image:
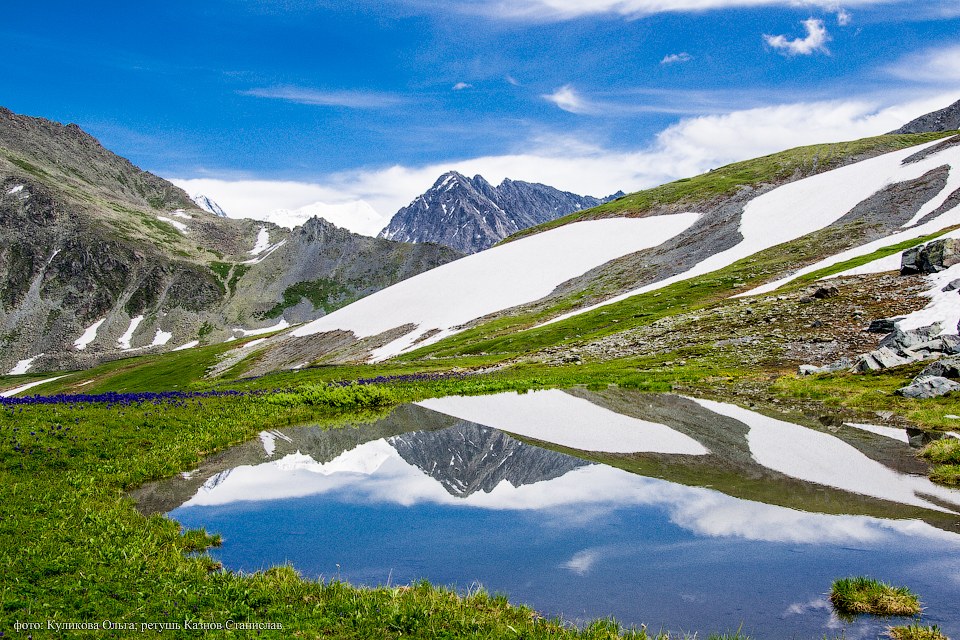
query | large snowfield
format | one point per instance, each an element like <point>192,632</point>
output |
<point>496,279</point>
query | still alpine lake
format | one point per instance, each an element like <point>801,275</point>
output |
<point>682,514</point>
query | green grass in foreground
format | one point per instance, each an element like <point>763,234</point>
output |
<point>917,632</point>
<point>852,596</point>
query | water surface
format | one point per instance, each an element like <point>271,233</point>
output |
<point>682,514</point>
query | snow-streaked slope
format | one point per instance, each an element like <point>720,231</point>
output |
<point>357,216</point>
<point>890,263</point>
<point>499,278</point>
<point>944,306</point>
<point>557,417</point>
<point>802,207</point>
<point>30,385</point>
<point>179,226</point>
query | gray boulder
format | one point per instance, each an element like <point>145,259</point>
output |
<point>953,285</point>
<point>943,368</point>
<point>932,257</point>
<point>882,358</point>
<point>910,261</point>
<point>884,325</point>
<point>810,370</point>
<point>930,387</point>
<point>912,338</point>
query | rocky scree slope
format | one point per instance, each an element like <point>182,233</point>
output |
<point>101,259</point>
<point>470,214</point>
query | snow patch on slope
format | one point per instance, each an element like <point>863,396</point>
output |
<point>802,207</point>
<point>262,243</point>
<point>89,335</point>
<point>124,340</point>
<point>161,338</point>
<point>496,279</point>
<point>23,366</point>
<point>31,385</point>
<point>889,263</point>
<point>283,324</point>
<point>263,253</point>
<point>944,306</point>
<point>179,226</point>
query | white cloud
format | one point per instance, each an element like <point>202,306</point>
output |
<point>582,561</point>
<point>690,147</point>
<point>349,99</point>
<point>512,80</point>
<point>843,17</point>
<point>676,57</point>
<point>816,40</point>
<point>569,9</point>
<point>460,86</point>
<point>567,98</point>
<point>936,65</point>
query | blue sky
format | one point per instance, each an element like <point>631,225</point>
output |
<point>284,103</point>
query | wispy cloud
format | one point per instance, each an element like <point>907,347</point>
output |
<point>347,99</point>
<point>815,41</point>
<point>674,58</point>
<point>936,65</point>
<point>568,99</point>
<point>689,147</point>
<point>460,86</point>
<point>569,9</point>
<point>844,17</point>
<point>512,80</point>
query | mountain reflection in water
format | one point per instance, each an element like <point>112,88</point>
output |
<point>686,513</point>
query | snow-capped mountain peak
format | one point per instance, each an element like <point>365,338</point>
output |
<point>207,204</point>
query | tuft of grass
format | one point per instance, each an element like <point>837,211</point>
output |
<point>861,594</point>
<point>917,632</point>
<point>351,396</point>
<point>943,451</point>
<point>945,454</point>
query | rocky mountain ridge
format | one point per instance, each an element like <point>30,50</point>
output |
<point>470,214</point>
<point>103,260</point>
<point>946,119</point>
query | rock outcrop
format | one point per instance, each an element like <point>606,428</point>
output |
<point>946,119</point>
